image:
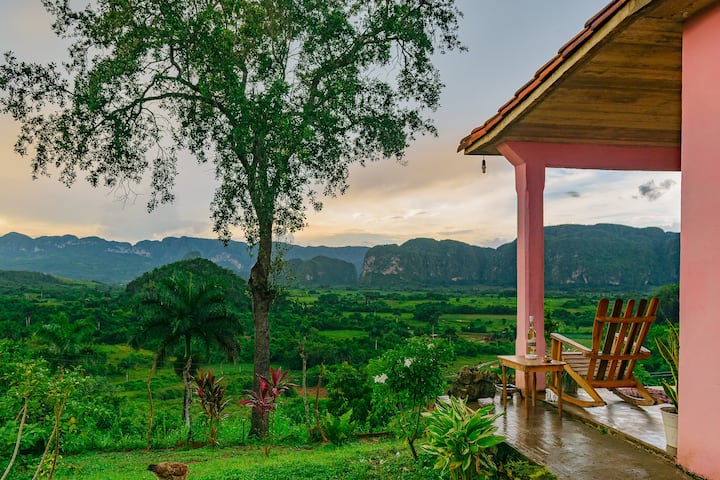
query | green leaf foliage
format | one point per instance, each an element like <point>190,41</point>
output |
<point>338,429</point>
<point>669,348</point>
<point>281,96</point>
<point>191,299</point>
<point>406,380</point>
<point>460,439</point>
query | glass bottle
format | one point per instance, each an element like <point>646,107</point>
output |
<point>531,353</point>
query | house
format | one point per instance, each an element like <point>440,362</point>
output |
<point>636,89</point>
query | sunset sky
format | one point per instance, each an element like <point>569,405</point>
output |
<point>438,193</point>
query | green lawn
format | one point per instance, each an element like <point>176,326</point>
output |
<point>358,460</point>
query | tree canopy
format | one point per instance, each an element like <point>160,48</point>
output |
<point>282,96</point>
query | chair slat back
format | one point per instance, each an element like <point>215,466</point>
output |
<point>618,337</point>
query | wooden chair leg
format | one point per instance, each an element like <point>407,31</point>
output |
<point>645,401</point>
<point>582,383</point>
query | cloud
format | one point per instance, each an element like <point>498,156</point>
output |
<point>653,191</point>
<point>438,193</point>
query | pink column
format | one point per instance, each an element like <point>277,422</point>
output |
<point>529,183</point>
<point>699,421</point>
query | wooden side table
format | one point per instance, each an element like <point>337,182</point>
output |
<point>530,368</point>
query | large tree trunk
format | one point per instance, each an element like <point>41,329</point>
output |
<point>262,296</point>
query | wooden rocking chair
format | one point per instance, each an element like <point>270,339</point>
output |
<point>617,339</point>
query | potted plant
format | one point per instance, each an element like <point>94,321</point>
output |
<point>669,348</point>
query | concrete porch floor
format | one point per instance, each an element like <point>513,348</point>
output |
<point>610,442</point>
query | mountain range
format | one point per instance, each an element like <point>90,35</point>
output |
<point>576,256</point>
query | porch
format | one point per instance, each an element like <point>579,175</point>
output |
<point>633,90</point>
<point>615,441</point>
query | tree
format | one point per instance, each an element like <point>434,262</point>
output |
<point>66,342</point>
<point>180,308</point>
<point>669,309</point>
<point>281,95</point>
<point>429,312</point>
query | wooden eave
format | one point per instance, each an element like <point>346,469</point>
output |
<point>617,82</point>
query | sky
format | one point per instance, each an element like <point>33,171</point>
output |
<point>436,192</point>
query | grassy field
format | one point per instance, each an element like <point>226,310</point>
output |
<point>358,460</point>
<point>343,334</point>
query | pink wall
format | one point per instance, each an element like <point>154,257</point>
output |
<point>699,420</point>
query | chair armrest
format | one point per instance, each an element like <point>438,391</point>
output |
<point>556,337</point>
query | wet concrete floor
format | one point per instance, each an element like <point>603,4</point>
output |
<point>617,441</point>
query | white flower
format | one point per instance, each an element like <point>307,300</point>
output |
<point>381,378</point>
<point>408,362</point>
<point>431,346</point>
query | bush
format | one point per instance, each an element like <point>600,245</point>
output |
<point>338,429</point>
<point>460,439</point>
<point>348,389</point>
<point>407,380</point>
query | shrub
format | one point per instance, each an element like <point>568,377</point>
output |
<point>348,389</point>
<point>211,393</point>
<point>407,380</point>
<point>459,439</point>
<point>338,428</point>
<point>264,400</point>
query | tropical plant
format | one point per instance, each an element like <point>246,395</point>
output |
<point>338,428</point>
<point>58,392</point>
<point>23,382</point>
<point>264,400</point>
<point>211,393</point>
<point>669,348</point>
<point>179,308</point>
<point>348,389</point>
<point>282,96</point>
<point>406,381</point>
<point>66,342</point>
<point>460,439</point>
<point>41,398</point>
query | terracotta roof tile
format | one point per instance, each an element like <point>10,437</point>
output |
<point>603,15</point>
<point>575,43</point>
<point>595,22</point>
<point>550,65</point>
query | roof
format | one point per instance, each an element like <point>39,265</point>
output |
<point>617,82</point>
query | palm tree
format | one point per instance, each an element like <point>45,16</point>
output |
<point>66,342</point>
<point>179,309</point>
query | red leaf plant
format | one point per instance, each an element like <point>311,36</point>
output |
<point>264,400</point>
